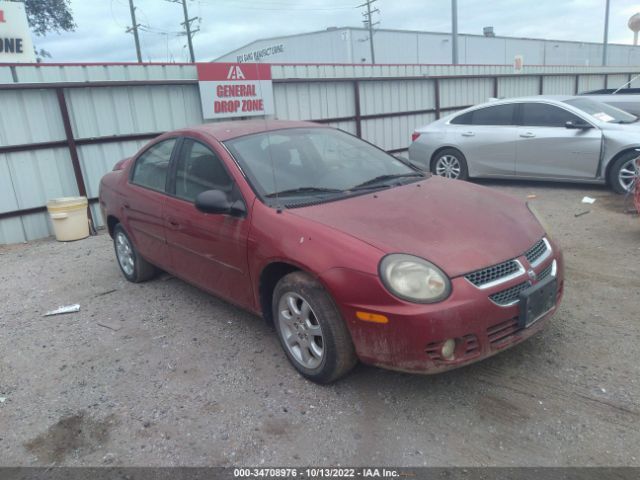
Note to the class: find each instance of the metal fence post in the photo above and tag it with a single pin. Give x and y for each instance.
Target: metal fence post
(73, 150)
(436, 95)
(356, 96)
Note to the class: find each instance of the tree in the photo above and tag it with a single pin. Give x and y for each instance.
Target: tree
(46, 16)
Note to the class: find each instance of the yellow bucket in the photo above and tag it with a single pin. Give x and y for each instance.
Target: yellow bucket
(69, 218)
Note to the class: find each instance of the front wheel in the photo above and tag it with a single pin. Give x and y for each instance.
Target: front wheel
(450, 163)
(623, 172)
(311, 329)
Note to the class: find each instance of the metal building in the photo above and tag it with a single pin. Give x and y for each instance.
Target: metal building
(351, 45)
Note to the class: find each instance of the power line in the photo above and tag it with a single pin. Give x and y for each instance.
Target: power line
(187, 27)
(454, 32)
(369, 24)
(606, 35)
(134, 29)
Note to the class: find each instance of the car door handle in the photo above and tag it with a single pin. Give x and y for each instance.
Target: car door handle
(173, 223)
(126, 205)
(468, 134)
(527, 135)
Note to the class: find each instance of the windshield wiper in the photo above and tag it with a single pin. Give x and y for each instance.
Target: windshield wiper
(303, 190)
(383, 178)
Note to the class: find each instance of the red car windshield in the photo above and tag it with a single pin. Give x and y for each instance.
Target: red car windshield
(306, 161)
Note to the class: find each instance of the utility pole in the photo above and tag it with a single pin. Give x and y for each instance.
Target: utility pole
(187, 27)
(454, 32)
(368, 22)
(134, 29)
(606, 35)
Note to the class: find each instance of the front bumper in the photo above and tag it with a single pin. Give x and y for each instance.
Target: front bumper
(413, 337)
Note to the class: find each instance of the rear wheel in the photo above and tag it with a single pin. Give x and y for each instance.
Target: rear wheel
(450, 163)
(623, 172)
(134, 268)
(311, 330)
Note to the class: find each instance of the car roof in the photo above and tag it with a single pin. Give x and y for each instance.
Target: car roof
(223, 131)
(503, 101)
(532, 98)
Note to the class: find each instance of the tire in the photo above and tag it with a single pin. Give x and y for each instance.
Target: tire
(319, 330)
(622, 167)
(450, 163)
(134, 268)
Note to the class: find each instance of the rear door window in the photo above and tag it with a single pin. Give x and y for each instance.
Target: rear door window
(493, 115)
(545, 115)
(152, 166)
(464, 119)
(496, 115)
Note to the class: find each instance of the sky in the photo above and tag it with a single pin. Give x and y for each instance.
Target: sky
(229, 24)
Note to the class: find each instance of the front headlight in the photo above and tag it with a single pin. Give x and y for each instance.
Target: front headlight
(413, 278)
(540, 219)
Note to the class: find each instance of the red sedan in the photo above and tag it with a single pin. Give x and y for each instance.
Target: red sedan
(352, 254)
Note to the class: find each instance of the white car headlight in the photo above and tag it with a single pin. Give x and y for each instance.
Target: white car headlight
(413, 278)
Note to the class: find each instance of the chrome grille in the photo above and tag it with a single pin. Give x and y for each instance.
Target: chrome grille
(495, 272)
(537, 251)
(545, 273)
(510, 295)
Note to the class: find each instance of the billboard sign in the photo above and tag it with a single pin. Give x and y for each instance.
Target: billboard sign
(229, 90)
(15, 38)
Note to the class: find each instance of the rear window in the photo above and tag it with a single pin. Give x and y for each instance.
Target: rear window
(152, 166)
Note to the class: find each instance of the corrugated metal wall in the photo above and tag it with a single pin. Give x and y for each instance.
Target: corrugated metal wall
(317, 100)
(335, 71)
(398, 96)
(393, 101)
(351, 45)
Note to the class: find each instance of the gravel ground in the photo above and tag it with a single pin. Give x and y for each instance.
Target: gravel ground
(161, 373)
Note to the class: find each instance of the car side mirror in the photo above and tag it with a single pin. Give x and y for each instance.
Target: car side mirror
(578, 126)
(218, 202)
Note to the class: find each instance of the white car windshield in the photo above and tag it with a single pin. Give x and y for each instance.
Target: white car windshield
(601, 111)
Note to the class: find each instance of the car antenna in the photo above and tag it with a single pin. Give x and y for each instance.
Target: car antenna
(273, 168)
(628, 83)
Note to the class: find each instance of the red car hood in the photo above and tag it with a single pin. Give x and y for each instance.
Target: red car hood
(459, 226)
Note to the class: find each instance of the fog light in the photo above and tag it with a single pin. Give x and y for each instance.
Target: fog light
(449, 349)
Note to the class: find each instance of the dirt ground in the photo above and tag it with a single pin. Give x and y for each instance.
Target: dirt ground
(161, 373)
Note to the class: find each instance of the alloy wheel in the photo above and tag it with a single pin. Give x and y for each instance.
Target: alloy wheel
(300, 330)
(448, 166)
(627, 174)
(124, 252)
